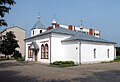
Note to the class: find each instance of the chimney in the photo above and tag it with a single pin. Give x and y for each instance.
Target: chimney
(91, 32)
(70, 27)
(50, 27)
(57, 25)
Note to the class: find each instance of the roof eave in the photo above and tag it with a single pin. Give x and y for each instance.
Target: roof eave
(89, 41)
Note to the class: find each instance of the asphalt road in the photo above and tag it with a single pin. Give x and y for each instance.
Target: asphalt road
(12, 71)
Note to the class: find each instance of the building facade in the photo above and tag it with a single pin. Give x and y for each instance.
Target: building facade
(20, 36)
(61, 44)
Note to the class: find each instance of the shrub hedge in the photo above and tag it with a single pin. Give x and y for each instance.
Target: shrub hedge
(63, 63)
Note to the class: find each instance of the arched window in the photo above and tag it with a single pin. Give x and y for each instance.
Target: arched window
(46, 51)
(42, 51)
(29, 52)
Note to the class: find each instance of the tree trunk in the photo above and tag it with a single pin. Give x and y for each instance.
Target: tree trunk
(7, 57)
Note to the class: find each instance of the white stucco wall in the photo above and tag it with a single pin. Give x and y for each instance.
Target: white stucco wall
(39, 43)
(79, 52)
(87, 52)
(71, 51)
(57, 49)
(26, 52)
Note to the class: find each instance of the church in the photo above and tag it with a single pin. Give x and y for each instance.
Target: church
(56, 43)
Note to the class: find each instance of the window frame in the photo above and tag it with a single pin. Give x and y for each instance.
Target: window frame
(40, 31)
(94, 53)
(33, 32)
(30, 52)
(44, 52)
(108, 53)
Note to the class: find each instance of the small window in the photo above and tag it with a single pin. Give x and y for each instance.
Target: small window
(108, 53)
(33, 32)
(94, 53)
(30, 53)
(83, 32)
(40, 31)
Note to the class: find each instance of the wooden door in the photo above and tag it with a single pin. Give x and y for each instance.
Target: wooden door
(35, 55)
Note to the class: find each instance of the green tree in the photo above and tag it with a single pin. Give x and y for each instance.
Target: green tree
(117, 51)
(8, 44)
(5, 8)
(17, 54)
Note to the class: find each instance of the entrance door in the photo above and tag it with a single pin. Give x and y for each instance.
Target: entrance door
(35, 55)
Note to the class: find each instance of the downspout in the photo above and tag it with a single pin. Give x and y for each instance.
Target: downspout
(114, 52)
(25, 50)
(80, 53)
(50, 47)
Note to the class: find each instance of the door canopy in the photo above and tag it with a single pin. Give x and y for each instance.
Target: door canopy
(34, 46)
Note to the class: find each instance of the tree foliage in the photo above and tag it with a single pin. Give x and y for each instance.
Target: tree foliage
(8, 44)
(117, 51)
(5, 8)
(17, 54)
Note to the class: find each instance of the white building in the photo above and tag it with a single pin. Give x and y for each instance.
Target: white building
(61, 44)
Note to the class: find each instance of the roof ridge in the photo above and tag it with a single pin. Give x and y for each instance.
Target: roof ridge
(38, 24)
(76, 35)
(12, 27)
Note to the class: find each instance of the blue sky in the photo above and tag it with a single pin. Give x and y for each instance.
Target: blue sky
(103, 15)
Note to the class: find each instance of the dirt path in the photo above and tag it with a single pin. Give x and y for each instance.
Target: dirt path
(12, 71)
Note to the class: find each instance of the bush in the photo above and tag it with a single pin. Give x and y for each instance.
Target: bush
(63, 63)
(17, 55)
(117, 59)
(20, 59)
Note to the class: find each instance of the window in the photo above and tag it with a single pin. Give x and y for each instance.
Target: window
(108, 53)
(33, 32)
(40, 31)
(30, 52)
(94, 53)
(83, 32)
(44, 51)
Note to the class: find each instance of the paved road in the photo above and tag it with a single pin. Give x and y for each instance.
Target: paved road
(12, 71)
